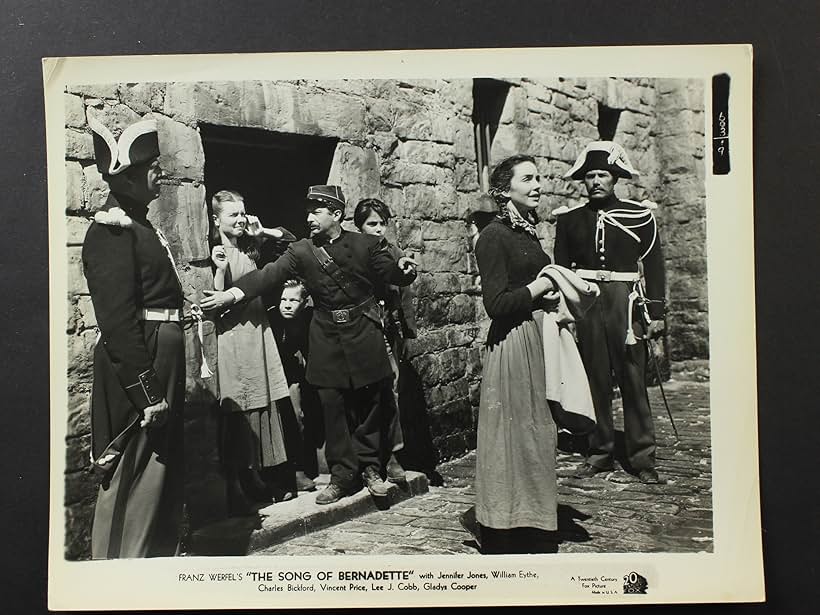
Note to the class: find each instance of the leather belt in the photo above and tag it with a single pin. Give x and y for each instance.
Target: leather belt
(161, 314)
(348, 314)
(602, 275)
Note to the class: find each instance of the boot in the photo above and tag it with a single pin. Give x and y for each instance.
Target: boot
(395, 473)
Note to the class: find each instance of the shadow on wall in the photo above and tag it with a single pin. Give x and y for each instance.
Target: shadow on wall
(419, 452)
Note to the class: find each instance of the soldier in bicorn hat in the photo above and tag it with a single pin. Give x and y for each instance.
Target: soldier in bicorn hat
(605, 240)
(139, 358)
(348, 360)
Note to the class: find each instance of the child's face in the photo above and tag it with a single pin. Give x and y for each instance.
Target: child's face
(291, 303)
(374, 225)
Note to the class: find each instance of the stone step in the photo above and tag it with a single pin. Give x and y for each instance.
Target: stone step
(277, 523)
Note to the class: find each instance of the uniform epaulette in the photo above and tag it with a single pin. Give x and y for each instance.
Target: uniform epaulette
(563, 209)
(115, 216)
(646, 203)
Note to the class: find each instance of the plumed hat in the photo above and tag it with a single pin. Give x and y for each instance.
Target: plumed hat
(605, 155)
(331, 197)
(137, 143)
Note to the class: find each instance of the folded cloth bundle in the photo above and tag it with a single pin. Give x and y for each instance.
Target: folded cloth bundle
(567, 385)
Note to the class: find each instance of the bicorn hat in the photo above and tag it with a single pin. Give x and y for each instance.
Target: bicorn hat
(137, 143)
(331, 197)
(604, 155)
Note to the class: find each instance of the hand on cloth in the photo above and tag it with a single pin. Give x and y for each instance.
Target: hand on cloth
(216, 299)
(551, 300)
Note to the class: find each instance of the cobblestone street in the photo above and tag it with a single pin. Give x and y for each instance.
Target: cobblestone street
(611, 513)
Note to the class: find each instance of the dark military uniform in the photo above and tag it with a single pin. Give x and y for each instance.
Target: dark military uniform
(348, 359)
(139, 360)
(598, 239)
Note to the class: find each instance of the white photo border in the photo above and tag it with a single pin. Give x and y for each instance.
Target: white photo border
(732, 572)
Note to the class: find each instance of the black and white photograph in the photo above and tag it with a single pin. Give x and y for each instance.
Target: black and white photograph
(419, 328)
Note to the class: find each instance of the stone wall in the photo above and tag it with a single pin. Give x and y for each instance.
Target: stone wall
(410, 143)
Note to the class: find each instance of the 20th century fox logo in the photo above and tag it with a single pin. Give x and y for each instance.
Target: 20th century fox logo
(635, 583)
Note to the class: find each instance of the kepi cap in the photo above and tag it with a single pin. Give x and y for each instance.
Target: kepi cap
(331, 197)
(604, 155)
(137, 143)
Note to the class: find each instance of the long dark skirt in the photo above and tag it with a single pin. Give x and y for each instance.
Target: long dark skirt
(515, 467)
(253, 439)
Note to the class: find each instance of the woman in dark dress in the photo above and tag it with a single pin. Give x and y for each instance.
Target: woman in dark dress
(515, 470)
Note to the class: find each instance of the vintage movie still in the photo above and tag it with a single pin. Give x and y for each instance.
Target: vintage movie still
(401, 328)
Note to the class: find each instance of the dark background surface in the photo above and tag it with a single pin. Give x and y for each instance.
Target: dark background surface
(784, 35)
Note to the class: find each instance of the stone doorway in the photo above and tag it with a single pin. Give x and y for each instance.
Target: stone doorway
(271, 170)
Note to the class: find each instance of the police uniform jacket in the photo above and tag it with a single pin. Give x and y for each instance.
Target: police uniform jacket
(342, 354)
(613, 236)
(128, 268)
(400, 316)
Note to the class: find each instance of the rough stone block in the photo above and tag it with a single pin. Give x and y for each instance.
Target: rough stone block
(181, 152)
(466, 176)
(356, 170)
(216, 102)
(465, 203)
(450, 230)
(430, 202)
(79, 413)
(74, 111)
(561, 101)
(85, 310)
(584, 109)
(416, 173)
(80, 487)
(395, 201)
(381, 114)
(408, 234)
(443, 367)
(100, 90)
(331, 114)
(78, 145)
(464, 139)
(515, 107)
(443, 256)
(81, 355)
(424, 124)
(74, 186)
(180, 103)
(95, 188)
(143, 97)
(181, 214)
(459, 92)
(76, 279)
(433, 284)
(279, 106)
(76, 227)
(77, 453)
(461, 309)
(427, 152)
(78, 519)
(452, 417)
(507, 142)
(116, 117)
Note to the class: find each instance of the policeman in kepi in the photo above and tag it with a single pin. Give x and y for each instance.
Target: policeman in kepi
(609, 240)
(139, 359)
(348, 360)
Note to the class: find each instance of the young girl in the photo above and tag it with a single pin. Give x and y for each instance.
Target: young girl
(251, 376)
(371, 217)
